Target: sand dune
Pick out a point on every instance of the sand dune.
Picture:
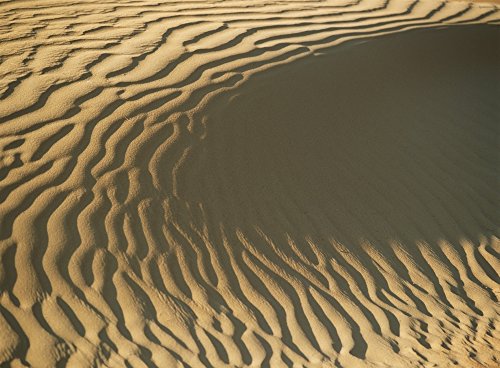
(249, 183)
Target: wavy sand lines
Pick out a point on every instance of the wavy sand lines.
(248, 184)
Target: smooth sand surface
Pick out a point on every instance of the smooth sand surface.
(249, 184)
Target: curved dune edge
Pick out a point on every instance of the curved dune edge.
(236, 184)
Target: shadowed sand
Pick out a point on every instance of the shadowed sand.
(364, 180)
(249, 184)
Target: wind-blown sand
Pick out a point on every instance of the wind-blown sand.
(249, 183)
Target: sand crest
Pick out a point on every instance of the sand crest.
(249, 183)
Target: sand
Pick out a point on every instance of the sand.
(249, 183)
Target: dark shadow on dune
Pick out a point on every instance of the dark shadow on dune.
(384, 148)
(391, 139)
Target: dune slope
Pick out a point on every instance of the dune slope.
(249, 184)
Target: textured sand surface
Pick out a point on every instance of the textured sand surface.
(249, 183)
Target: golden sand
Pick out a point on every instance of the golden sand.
(249, 183)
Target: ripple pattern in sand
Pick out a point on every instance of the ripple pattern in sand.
(165, 201)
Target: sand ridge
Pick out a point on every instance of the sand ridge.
(192, 184)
